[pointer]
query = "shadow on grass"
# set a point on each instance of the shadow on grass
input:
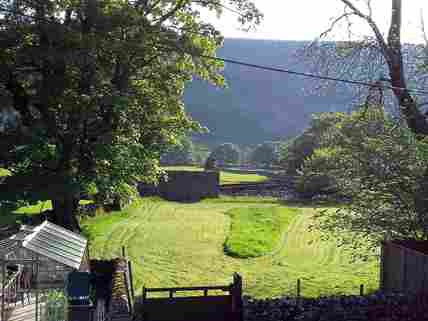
(243, 200)
(302, 203)
(9, 217)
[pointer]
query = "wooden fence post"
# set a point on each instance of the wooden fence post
(382, 266)
(131, 279)
(237, 296)
(3, 281)
(128, 292)
(405, 277)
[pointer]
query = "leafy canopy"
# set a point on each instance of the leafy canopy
(226, 153)
(379, 166)
(95, 88)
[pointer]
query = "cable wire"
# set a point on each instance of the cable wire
(269, 68)
(308, 75)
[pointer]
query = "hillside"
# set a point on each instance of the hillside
(258, 105)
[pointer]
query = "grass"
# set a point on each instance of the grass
(225, 177)
(9, 215)
(172, 244)
(257, 231)
(4, 172)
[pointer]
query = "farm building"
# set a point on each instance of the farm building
(185, 186)
(34, 263)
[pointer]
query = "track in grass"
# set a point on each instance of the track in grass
(174, 244)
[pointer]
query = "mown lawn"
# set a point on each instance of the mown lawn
(225, 177)
(4, 172)
(257, 231)
(172, 244)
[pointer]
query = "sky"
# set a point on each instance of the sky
(305, 19)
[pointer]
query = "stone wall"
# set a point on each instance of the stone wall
(185, 186)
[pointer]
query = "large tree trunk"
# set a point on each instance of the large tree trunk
(393, 55)
(65, 213)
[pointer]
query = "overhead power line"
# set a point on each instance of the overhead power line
(309, 75)
(268, 68)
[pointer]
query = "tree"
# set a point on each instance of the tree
(97, 87)
(294, 152)
(380, 167)
(179, 154)
(226, 153)
(371, 56)
(377, 51)
(265, 154)
(316, 177)
(210, 164)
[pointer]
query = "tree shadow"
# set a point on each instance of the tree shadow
(309, 203)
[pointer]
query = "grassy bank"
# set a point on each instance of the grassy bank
(257, 231)
(4, 172)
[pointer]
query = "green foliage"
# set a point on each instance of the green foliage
(265, 154)
(179, 154)
(314, 178)
(257, 231)
(98, 89)
(295, 151)
(55, 308)
(200, 153)
(210, 164)
(380, 167)
(226, 153)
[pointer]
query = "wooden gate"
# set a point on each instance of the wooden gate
(206, 307)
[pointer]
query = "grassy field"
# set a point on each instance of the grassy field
(257, 231)
(172, 244)
(4, 172)
(225, 177)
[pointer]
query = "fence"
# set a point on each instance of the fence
(194, 308)
(404, 266)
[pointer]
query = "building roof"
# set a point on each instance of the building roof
(56, 243)
(23, 233)
(7, 245)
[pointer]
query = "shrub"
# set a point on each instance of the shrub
(226, 153)
(265, 154)
(315, 177)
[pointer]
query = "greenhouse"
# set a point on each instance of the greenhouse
(35, 265)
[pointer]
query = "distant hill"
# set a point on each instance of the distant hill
(258, 105)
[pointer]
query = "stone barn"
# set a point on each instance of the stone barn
(185, 186)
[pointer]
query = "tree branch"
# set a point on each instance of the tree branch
(372, 25)
(180, 5)
(333, 24)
